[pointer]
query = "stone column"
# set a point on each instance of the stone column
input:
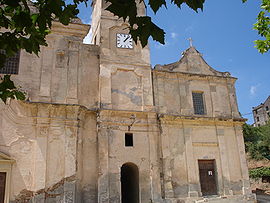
(166, 163)
(223, 161)
(193, 177)
(46, 73)
(154, 158)
(105, 87)
(103, 154)
(72, 78)
(242, 157)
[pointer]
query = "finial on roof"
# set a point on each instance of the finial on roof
(190, 42)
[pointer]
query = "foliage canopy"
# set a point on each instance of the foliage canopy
(257, 141)
(259, 172)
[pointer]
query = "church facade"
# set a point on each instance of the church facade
(101, 126)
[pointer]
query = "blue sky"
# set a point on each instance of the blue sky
(223, 34)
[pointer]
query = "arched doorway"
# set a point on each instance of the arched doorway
(129, 183)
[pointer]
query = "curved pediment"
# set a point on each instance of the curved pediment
(191, 62)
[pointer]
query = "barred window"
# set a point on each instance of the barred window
(198, 103)
(11, 65)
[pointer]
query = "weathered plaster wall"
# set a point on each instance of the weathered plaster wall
(113, 154)
(187, 138)
(42, 139)
(173, 94)
(64, 69)
(184, 142)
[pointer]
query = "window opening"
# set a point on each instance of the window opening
(129, 139)
(198, 103)
(267, 108)
(11, 65)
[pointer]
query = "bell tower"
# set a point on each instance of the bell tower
(126, 120)
(125, 71)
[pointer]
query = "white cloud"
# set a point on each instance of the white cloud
(253, 89)
(174, 35)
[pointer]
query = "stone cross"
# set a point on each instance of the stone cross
(190, 41)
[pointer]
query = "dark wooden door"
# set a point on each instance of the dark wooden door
(208, 177)
(2, 186)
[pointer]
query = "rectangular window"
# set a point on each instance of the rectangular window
(258, 118)
(128, 139)
(2, 186)
(266, 108)
(11, 65)
(198, 103)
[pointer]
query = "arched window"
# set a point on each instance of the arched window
(129, 183)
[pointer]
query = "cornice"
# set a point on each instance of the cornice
(73, 29)
(194, 120)
(170, 74)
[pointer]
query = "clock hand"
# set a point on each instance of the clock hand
(126, 39)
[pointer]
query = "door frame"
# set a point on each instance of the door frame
(215, 174)
(5, 166)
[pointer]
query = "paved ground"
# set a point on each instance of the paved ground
(263, 198)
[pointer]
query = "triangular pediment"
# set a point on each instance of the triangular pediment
(192, 62)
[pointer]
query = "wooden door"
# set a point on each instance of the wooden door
(2, 186)
(208, 177)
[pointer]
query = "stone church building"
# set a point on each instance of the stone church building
(100, 125)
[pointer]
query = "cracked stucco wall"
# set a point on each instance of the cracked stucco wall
(42, 139)
(63, 70)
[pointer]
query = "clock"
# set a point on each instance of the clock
(124, 41)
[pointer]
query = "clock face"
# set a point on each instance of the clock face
(124, 41)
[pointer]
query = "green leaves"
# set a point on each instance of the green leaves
(263, 27)
(27, 24)
(123, 9)
(146, 28)
(156, 4)
(142, 27)
(193, 4)
(9, 90)
(259, 172)
(257, 141)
